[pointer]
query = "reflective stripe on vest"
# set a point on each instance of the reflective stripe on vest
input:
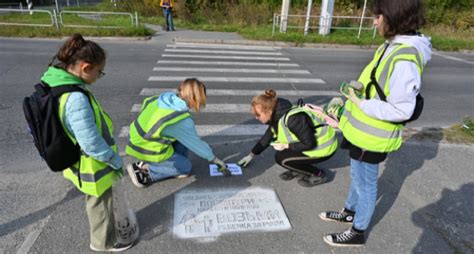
(325, 135)
(146, 142)
(367, 132)
(95, 177)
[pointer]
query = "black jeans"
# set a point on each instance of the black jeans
(299, 162)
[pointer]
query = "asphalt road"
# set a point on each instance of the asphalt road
(425, 190)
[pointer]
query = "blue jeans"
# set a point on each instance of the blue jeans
(169, 19)
(362, 192)
(177, 164)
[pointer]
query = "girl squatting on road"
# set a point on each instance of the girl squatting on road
(164, 132)
(300, 138)
(81, 63)
(372, 126)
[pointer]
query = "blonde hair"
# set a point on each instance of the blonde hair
(267, 101)
(193, 92)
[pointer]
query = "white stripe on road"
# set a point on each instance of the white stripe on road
(219, 130)
(227, 63)
(453, 58)
(240, 79)
(224, 52)
(184, 69)
(222, 46)
(226, 92)
(214, 108)
(229, 57)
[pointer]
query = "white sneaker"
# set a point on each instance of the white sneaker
(118, 247)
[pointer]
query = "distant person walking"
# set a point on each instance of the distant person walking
(167, 7)
(81, 63)
(300, 137)
(372, 124)
(164, 132)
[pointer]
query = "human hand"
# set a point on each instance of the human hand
(279, 146)
(353, 97)
(246, 160)
(221, 167)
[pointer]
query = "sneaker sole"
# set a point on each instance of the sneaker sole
(308, 184)
(332, 220)
(342, 245)
(133, 177)
(182, 176)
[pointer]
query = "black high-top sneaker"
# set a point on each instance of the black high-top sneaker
(344, 216)
(348, 238)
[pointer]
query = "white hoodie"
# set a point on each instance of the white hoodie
(405, 84)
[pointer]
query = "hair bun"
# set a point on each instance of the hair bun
(270, 93)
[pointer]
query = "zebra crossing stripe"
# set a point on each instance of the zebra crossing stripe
(224, 52)
(221, 46)
(227, 92)
(218, 130)
(227, 63)
(214, 108)
(226, 70)
(241, 79)
(228, 57)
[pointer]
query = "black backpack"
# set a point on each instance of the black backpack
(41, 113)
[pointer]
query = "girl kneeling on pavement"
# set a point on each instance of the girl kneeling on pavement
(372, 124)
(163, 133)
(81, 63)
(300, 137)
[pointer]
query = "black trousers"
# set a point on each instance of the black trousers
(299, 162)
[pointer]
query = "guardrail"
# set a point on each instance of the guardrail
(326, 21)
(57, 19)
(134, 20)
(51, 14)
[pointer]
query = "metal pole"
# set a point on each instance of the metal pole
(273, 25)
(285, 7)
(56, 22)
(136, 19)
(57, 6)
(362, 19)
(308, 16)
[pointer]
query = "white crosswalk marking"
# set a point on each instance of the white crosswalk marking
(225, 92)
(214, 108)
(228, 57)
(182, 69)
(219, 130)
(237, 61)
(224, 52)
(221, 46)
(240, 79)
(168, 62)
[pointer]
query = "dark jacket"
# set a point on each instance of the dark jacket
(300, 124)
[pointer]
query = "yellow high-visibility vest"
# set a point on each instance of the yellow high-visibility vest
(367, 132)
(95, 177)
(146, 142)
(325, 135)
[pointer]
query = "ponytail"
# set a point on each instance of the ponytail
(76, 48)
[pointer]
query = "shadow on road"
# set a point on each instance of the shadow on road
(401, 165)
(34, 217)
(446, 222)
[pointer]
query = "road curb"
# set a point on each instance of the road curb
(272, 43)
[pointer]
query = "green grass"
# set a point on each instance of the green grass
(442, 38)
(126, 28)
(461, 133)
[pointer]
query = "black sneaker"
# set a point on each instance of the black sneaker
(344, 216)
(139, 177)
(348, 238)
(288, 175)
(312, 180)
(118, 247)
